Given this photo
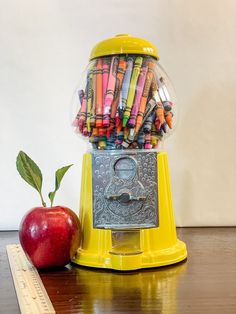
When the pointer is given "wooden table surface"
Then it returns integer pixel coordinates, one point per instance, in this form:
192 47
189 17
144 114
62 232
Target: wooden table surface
205 283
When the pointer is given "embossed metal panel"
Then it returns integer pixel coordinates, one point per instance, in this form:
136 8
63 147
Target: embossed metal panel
124 189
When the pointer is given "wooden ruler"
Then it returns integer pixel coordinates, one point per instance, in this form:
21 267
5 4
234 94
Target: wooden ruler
31 294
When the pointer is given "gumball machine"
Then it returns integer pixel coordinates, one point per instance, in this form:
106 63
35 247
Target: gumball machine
127 108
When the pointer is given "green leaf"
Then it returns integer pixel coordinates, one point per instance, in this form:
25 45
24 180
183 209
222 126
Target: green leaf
30 172
58 177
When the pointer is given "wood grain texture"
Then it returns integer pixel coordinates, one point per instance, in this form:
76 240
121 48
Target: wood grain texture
206 283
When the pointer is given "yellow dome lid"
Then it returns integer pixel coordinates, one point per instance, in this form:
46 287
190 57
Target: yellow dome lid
124 44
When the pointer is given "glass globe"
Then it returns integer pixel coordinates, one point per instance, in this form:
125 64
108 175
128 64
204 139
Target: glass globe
124 101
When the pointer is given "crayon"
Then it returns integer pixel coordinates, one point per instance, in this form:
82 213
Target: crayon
102 144
133 145
102 132
154 137
135 74
131 135
162 90
93 139
164 127
120 138
93 106
125 88
144 98
89 98
141 139
151 105
157 123
81 116
111 141
81 95
138 95
167 105
99 95
168 118
160 134
118 127
126 132
126 140
95 132
110 91
147 126
160 113
105 75
147 143
119 81
125 143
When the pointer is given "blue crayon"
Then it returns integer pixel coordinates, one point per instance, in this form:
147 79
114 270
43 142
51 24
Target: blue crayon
164 127
141 139
111 141
167 105
147 126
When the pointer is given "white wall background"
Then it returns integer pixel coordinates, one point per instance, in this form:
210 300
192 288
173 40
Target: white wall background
44 47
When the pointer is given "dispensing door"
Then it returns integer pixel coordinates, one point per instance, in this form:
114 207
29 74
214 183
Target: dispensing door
125 190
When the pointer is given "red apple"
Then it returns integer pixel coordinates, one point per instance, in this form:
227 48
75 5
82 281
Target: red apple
50 236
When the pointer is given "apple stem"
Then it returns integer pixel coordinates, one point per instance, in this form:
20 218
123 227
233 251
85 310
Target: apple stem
42 200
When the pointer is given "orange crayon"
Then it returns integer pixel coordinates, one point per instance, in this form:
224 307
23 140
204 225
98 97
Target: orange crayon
95 132
168 118
160 113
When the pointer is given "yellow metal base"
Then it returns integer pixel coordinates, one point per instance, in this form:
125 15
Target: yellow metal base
158 246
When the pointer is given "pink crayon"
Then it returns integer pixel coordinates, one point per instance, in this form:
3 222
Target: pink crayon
81 115
138 95
147 143
75 123
110 91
